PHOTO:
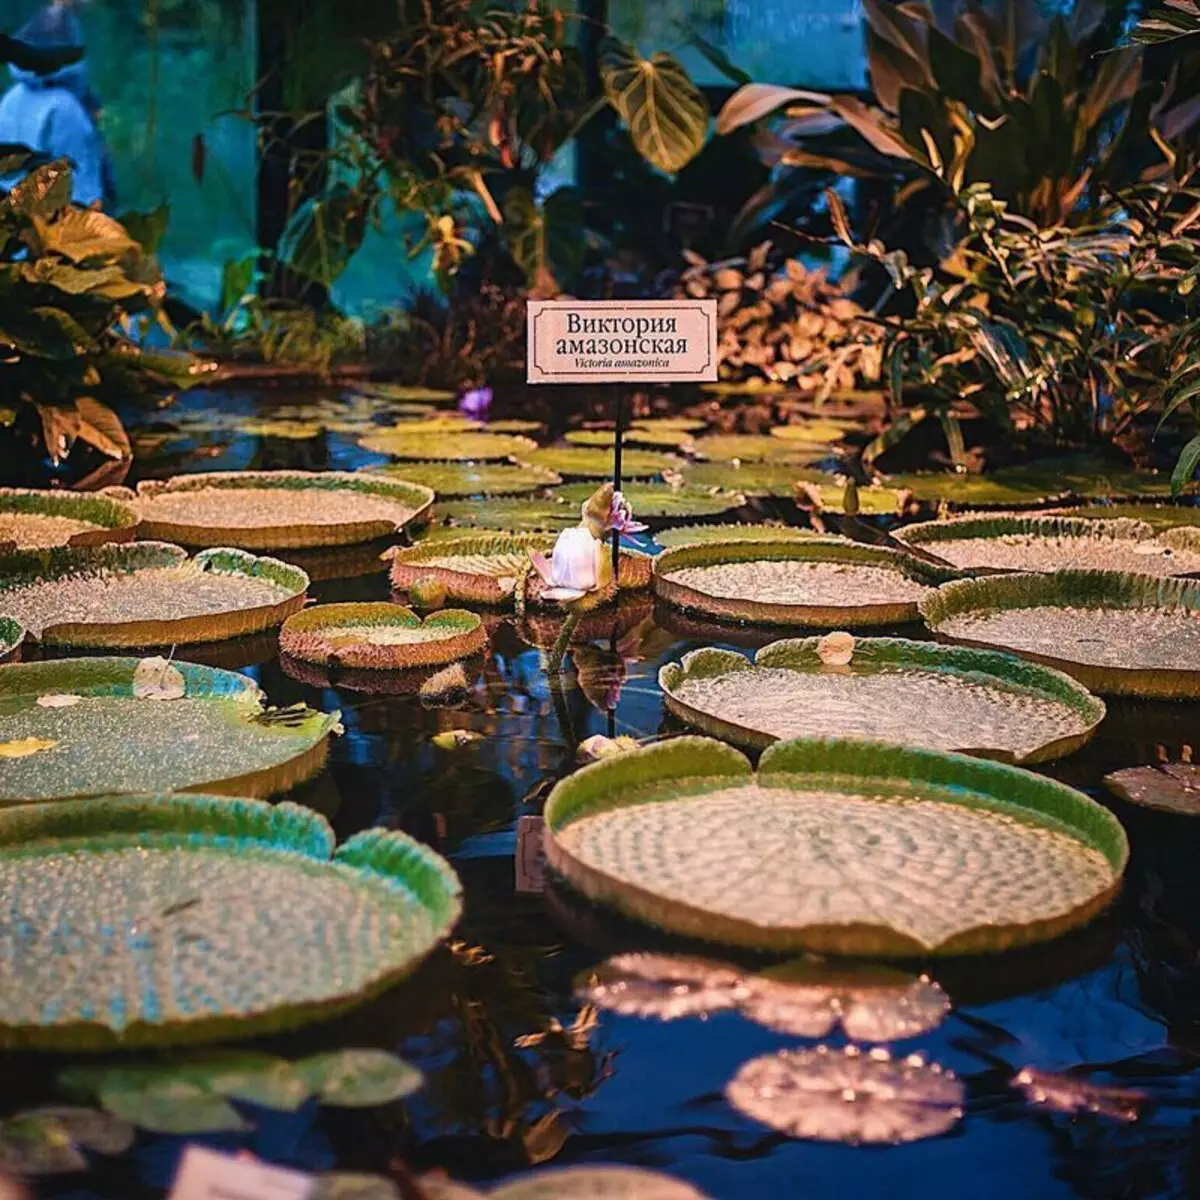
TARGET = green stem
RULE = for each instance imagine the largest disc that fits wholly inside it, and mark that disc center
(554, 667)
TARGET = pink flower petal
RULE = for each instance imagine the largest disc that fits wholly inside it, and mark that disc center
(563, 593)
(541, 564)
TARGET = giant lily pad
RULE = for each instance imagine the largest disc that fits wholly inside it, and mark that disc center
(146, 594)
(586, 462)
(1160, 517)
(452, 445)
(891, 690)
(999, 544)
(381, 636)
(818, 583)
(276, 510)
(782, 480)
(34, 520)
(655, 501)
(129, 922)
(840, 847)
(848, 1096)
(1169, 787)
(511, 514)
(671, 438)
(1118, 634)
(98, 734)
(473, 478)
(756, 447)
(486, 569)
(702, 535)
(596, 1183)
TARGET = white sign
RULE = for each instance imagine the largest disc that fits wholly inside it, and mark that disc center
(207, 1175)
(622, 341)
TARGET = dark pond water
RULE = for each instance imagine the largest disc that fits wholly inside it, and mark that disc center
(514, 1077)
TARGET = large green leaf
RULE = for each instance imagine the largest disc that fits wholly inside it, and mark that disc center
(665, 112)
(544, 238)
(324, 235)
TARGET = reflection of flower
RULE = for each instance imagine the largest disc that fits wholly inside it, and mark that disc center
(579, 565)
(475, 402)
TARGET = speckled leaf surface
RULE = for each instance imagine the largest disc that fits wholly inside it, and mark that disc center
(699, 535)
(454, 479)
(510, 514)
(33, 519)
(656, 501)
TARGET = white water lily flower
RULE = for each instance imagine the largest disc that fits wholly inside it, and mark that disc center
(579, 565)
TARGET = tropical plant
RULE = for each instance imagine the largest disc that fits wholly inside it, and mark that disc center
(785, 323)
(1059, 334)
(1028, 105)
(79, 296)
(1176, 19)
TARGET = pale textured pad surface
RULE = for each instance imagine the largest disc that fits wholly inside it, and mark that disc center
(932, 709)
(1102, 637)
(1031, 552)
(256, 508)
(37, 531)
(826, 584)
(782, 859)
(148, 594)
(167, 934)
(494, 566)
(385, 634)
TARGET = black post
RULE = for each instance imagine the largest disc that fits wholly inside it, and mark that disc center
(617, 440)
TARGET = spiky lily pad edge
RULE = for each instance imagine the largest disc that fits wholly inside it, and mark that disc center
(1073, 589)
(930, 533)
(116, 519)
(382, 858)
(305, 636)
(26, 566)
(694, 765)
(747, 610)
(113, 676)
(980, 666)
(288, 535)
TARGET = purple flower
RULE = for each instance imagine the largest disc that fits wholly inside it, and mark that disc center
(475, 402)
(620, 516)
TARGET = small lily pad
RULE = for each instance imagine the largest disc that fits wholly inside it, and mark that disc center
(848, 1096)
(656, 501)
(520, 514)
(277, 510)
(891, 689)
(430, 446)
(597, 1183)
(813, 431)
(52, 1141)
(1003, 543)
(1169, 787)
(358, 1078)
(172, 1106)
(407, 393)
(585, 462)
(1160, 517)
(702, 535)
(326, 931)
(381, 636)
(35, 520)
(815, 583)
(682, 424)
(213, 738)
(453, 479)
(146, 594)
(841, 847)
(668, 439)
(1117, 634)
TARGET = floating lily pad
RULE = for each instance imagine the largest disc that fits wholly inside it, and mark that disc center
(146, 594)
(703, 535)
(1118, 634)
(812, 431)
(35, 520)
(756, 447)
(802, 998)
(848, 1096)
(486, 569)
(380, 637)
(1002, 544)
(892, 690)
(840, 847)
(520, 514)
(584, 462)
(406, 393)
(1169, 787)
(217, 737)
(671, 438)
(432, 445)
(817, 583)
(513, 425)
(1072, 1094)
(473, 479)
(358, 1078)
(597, 1183)
(1159, 517)
(12, 634)
(53, 1141)
(276, 510)
(656, 501)
(682, 424)
(782, 479)
(130, 914)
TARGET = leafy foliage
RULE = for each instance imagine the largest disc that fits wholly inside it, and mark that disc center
(1176, 19)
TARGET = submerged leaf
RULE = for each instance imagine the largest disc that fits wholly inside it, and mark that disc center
(157, 679)
(171, 1106)
(50, 1141)
(359, 1078)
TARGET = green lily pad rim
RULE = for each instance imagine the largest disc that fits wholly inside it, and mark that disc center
(304, 636)
(307, 741)
(692, 766)
(514, 478)
(384, 859)
(676, 536)
(984, 667)
(28, 566)
(116, 519)
(1073, 589)
(491, 446)
(927, 533)
(811, 550)
(636, 435)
